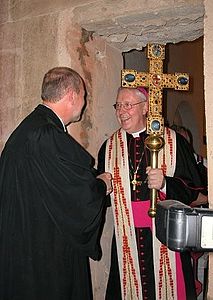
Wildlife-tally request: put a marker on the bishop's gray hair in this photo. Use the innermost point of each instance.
(142, 97)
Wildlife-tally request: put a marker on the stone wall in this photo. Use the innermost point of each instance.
(208, 73)
(37, 35)
(35, 38)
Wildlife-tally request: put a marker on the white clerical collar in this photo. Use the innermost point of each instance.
(137, 134)
(57, 116)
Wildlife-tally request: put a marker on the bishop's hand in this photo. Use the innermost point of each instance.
(155, 178)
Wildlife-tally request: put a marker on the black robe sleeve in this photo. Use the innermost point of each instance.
(186, 183)
(72, 196)
(101, 158)
(101, 167)
(51, 207)
(57, 173)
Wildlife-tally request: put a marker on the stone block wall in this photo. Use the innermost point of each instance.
(208, 73)
(36, 36)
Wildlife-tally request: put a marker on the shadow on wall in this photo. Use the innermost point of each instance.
(184, 117)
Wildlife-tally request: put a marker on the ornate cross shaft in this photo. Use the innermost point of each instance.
(155, 81)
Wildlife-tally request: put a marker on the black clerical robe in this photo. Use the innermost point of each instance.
(50, 212)
(183, 187)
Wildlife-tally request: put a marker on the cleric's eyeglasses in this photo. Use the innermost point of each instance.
(126, 106)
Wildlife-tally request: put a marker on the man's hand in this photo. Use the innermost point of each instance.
(155, 178)
(107, 178)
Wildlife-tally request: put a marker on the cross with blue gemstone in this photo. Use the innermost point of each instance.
(155, 81)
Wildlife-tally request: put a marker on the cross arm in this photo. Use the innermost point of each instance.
(133, 79)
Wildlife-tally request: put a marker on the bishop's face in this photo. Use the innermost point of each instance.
(133, 118)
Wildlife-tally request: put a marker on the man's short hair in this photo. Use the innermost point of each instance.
(58, 81)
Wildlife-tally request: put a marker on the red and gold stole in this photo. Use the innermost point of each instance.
(168, 272)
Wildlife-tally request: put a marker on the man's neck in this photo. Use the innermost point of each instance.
(55, 112)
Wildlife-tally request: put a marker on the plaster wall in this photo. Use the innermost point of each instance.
(208, 73)
(99, 64)
(24, 58)
(31, 44)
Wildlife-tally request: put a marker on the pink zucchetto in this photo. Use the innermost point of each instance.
(143, 91)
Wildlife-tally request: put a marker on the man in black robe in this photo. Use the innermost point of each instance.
(131, 108)
(51, 201)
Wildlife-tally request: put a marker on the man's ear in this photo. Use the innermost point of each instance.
(145, 108)
(71, 97)
(74, 97)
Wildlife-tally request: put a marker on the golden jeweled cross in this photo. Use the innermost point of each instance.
(155, 80)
